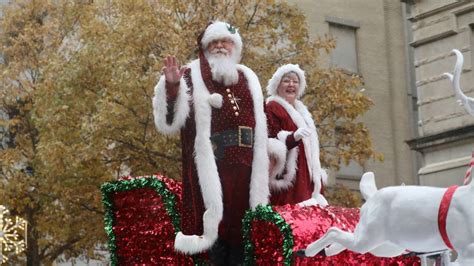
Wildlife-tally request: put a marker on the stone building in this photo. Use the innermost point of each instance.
(371, 42)
(445, 132)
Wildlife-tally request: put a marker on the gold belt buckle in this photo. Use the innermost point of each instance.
(241, 135)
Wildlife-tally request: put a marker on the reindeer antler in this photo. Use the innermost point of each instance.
(467, 102)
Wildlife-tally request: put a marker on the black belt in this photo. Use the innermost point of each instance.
(243, 137)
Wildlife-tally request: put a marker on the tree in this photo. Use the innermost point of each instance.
(340, 195)
(77, 82)
(33, 33)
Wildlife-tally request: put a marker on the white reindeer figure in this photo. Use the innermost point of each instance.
(400, 218)
(396, 219)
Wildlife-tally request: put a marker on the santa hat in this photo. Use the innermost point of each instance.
(274, 82)
(219, 30)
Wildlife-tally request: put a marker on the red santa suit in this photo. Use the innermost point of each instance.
(224, 147)
(302, 177)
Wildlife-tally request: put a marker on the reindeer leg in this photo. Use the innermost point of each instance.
(358, 242)
(318, 245)
(334, 249)
(387, 250)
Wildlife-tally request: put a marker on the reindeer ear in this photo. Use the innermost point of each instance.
(367, 185)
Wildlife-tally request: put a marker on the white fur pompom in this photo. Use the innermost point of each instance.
(215, 100)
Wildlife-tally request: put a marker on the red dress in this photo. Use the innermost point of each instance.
(278, 119)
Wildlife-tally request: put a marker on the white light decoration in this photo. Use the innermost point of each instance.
(12, 234)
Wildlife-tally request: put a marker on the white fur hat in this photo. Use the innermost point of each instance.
(274, 82)
(219, 30)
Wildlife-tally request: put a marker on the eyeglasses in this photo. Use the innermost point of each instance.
(224, 41)
(290, 81)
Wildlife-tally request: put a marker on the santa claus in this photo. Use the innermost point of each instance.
(290, 121)
(217, 105)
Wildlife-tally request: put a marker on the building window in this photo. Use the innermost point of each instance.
(345, 54)
(472, 46)
(348, 174)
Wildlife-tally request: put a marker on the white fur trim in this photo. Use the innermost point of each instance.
(283, 135)
(181, 108)
(215, 100)
(274, 82)
(277, 150)
(191, 244)
(206, 166)
(209, 180)
(219, 30)
(302, 118)
(291, 165)
(259, 189)
(324, 176)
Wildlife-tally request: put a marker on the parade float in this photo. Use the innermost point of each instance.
(142, 217)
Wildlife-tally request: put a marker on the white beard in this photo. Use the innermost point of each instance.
(223, 67)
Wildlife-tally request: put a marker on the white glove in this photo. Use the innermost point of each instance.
(301, 133)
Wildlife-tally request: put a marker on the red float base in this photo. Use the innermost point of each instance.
(142, 218)
(274, 234)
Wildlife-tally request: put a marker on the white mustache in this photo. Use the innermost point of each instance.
(219, 51)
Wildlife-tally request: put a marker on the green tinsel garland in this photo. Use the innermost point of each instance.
(125, 185)
(266, 213)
